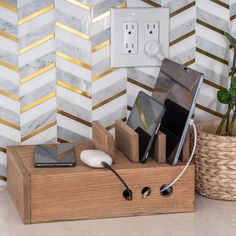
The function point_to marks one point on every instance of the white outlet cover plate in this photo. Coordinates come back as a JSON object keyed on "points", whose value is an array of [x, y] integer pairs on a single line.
{"points": [[141, 16]]}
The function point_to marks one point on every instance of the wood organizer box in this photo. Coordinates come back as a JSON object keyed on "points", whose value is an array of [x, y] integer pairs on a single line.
{"points": [[54, 194]]}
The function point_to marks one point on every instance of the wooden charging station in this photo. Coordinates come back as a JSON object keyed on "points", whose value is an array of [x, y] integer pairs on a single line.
{"points": [[54, 194]]}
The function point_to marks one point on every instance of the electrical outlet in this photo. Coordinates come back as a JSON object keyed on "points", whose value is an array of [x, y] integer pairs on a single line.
{"points": [[151, 29], [136, 33], [130, 37]]}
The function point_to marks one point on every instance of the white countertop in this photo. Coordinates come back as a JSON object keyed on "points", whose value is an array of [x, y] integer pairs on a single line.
{"points": [[211, 218]]}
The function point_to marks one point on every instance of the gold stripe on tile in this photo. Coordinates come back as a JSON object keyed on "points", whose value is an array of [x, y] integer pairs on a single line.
{"points": [[36, 14], [208, 110], [75, 118], [132, 81], [8, 6], [59, 140], [4, 150], [183, 37], [73, 60], [38, 72], [3, 178], [80, 4], [73, 89], [38, 102], [73, 31], [223, 61], [9, 124], [233, 17], [223, 4], [183, 9], [97, 77], [214, 85], [8, 36], [9, 95], [9, 66], [100, 104], [107, 13], [154, 4], [190, 62], [38, 131], [36, 44], [161, 90], [100, 46], [211, 27]]}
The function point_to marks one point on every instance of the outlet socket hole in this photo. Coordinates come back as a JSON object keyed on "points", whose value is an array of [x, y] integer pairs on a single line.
{"points": [[167, 192]]}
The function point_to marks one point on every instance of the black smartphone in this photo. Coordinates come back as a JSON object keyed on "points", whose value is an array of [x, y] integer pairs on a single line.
{"points": [[54, 155], [145, 119]]}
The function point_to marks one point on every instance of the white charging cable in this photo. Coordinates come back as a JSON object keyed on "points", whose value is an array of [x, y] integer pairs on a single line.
{"points": [[189, 160]]}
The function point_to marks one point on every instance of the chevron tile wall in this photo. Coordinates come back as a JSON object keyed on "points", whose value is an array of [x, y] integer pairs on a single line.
{"points": [[55, 75]]}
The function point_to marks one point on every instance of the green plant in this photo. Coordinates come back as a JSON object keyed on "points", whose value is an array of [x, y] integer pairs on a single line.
{"points": [[228, 96]]}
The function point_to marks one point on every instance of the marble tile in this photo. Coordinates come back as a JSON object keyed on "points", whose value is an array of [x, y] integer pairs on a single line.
{"points": [[74, 109], [109, 92], [175, 5], [33, 7], [101, 37], [8, 27], [101, 67], [74, 81], [37, 94], [36, 35], [38, 122], [73, 22], [8, 57], [9, 115], [70, 136], [185, 56], [9, 87]]}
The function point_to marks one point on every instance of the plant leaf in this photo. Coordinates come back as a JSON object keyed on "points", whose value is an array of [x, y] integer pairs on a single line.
{"points": [[232, 92], [233, 82], [231, 39], [224, 96]]}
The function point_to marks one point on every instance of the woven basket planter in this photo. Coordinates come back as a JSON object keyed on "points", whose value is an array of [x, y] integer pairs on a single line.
{"points": [[215, 160]]}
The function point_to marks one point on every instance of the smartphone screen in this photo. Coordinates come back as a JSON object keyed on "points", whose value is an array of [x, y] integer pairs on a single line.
{"points": [[177, 88], [54, 155], [145, 119]]}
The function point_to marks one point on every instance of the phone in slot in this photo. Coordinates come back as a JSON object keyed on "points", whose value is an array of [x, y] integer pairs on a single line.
{"points": [[177, 88], [145, 119]]}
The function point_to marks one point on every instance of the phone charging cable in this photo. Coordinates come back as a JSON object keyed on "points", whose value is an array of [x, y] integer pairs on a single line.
{"points": [[167, 187]]}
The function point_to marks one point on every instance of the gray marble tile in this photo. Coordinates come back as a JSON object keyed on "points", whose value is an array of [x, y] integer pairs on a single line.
{"points": [[74, 52], [101, 37], [212, 48], [232, 9], [36, 35], [37, 94], [73, 22], [70, 136], [37, 123], [101, 67], [212, 20], [74, 109], [9, 87], [74, 81], [182, 29], [141, 77], [185, 56], [111, 118], [37, 64], [177, 4], [10, 116], [105, 6], [33, 7], [8, 57], [8, 27], [109, 91], [11, 2]]}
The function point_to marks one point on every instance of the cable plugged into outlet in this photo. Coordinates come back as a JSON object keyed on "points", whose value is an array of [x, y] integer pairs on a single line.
{"points": [[130, 37]]}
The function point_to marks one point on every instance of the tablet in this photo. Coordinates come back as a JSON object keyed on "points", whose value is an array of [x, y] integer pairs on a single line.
{"points": [[177, 88], [145, 119]]}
